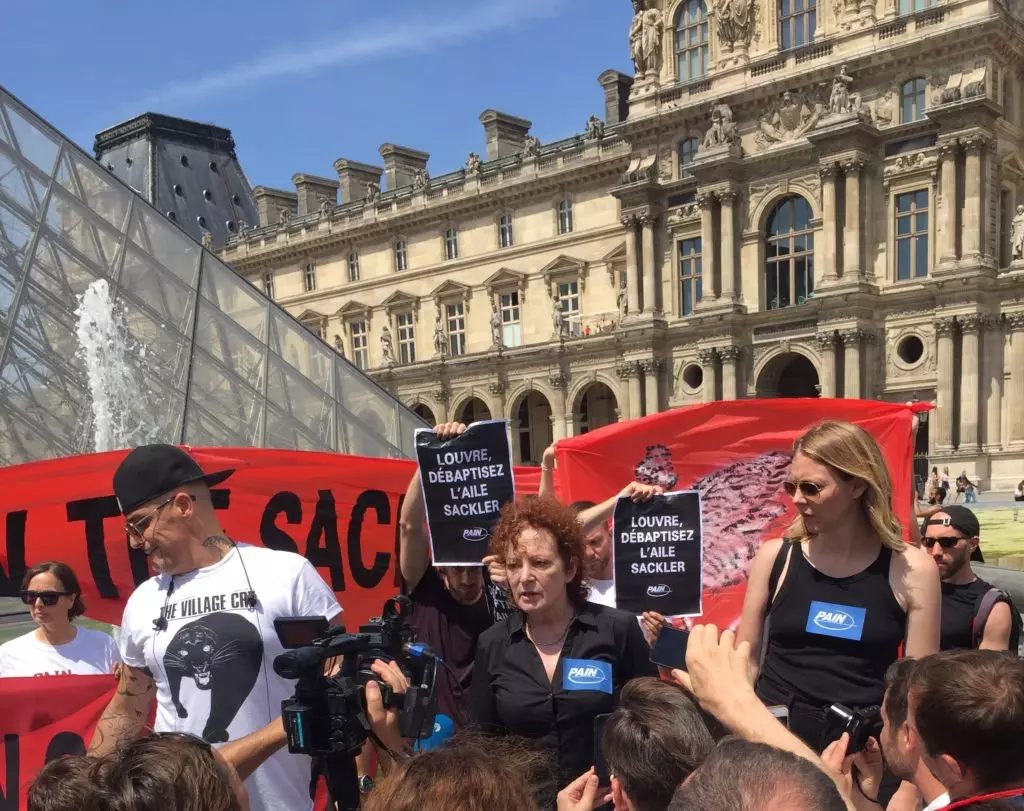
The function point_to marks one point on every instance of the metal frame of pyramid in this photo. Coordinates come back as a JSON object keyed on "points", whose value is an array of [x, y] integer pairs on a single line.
{"points": [[224, 365]]}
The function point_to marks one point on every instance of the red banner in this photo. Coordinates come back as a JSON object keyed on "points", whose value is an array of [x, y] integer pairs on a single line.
{"points": [[737, 455]]}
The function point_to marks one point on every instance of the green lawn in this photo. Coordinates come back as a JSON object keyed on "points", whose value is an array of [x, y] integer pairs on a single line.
{"points": [[1001, 536]]}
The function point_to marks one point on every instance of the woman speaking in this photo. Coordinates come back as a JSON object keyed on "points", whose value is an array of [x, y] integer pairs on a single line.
{"points": [[832, 602], [559, 661]]}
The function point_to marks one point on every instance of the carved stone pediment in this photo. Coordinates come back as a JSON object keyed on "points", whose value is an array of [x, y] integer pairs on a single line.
{"points": [[354, 311], [909, 164], [400, 300], [790, 118]]}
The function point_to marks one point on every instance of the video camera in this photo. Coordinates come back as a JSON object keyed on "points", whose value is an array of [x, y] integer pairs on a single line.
{"points": [[862, 724], [327, 714]]}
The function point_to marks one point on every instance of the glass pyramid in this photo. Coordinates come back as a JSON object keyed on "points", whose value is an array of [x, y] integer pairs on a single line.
{"points": [[116, 328]]}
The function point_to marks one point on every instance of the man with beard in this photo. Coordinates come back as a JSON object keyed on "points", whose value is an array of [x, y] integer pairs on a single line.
{"points": [[974, 613]]}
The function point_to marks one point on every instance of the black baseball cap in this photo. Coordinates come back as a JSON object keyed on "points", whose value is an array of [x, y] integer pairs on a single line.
{"points": [[957, 516], [152, 470]]}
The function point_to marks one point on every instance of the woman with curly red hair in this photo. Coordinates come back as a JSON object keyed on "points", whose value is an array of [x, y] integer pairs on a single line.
{"points": [[558, 661]]}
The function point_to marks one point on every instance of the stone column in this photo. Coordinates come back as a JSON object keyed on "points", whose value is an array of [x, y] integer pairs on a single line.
{"points": [[559, 424], [852, 265], [828, 223], [650, 264], [727, 199], [975, 147], [946, 226], [827, 347], [628, 371], [1015, 400], [970, 328], [942, 417], [707, 246], [992, 386], [730, 356], [652, 373], [632, 266], [869, 368], [442, 397], [707, 359], [851, 361]]}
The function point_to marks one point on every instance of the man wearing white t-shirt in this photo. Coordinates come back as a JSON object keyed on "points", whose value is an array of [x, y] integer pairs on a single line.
{"points": [[199, 636]]}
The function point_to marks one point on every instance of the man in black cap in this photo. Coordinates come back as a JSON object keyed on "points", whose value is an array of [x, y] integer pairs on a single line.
{"points": [[974, 613], [199, 636]]}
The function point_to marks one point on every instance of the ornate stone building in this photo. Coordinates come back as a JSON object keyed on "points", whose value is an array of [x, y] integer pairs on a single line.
{"points": [[787, 199]]}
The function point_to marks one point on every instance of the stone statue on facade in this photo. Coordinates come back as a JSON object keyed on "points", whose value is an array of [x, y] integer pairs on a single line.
{"points": [[1017, 234], [623, 302], [207, 240], [558, 320], [531, 147], [734, 22], [440, 338], [387, 347], [284, 217], [421, 179], [372, 192], [839, 100], [339, 344], [636, 38], [496, 337], [595, 129], [474, 165], [240, 228], [325, 207], [722, 130], [789, 121], [654, 27]]}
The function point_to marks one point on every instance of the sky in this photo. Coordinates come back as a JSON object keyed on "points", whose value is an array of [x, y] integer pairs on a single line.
{"points": [[301, 84]]}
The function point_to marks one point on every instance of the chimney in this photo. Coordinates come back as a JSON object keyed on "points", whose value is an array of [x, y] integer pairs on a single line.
{"points": [[616, 95], [271, 202], [401, 164], [504, 134], [353, 177], [311, 189]]}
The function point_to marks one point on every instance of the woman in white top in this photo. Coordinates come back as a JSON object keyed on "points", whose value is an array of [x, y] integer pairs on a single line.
{"points": [[56, 647]]}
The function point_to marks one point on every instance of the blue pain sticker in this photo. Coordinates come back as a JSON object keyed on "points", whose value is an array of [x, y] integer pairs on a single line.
{"points": [[587, 674], [832, 619]]}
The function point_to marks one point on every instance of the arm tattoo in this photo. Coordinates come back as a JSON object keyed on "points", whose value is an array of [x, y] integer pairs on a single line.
{"points": [[217, 543], [136, 682]]}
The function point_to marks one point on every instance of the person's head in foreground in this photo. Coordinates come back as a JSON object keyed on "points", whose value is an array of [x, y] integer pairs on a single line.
{"points": [[67, 784], [540, 543], [597, 550], [967, 707], [53, 596], [838, 476], [899, 741], [652, 742], [742, 776]]}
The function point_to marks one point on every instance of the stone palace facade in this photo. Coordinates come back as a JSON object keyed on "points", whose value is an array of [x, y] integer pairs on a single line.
{"points": [[787, 199]]}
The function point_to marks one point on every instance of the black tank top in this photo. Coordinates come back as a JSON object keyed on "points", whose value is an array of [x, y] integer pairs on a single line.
{"points": [[958, 606], [831, 639]]}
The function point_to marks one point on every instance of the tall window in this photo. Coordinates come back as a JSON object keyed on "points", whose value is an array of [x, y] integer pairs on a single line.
{"points": [[569, 299], [691, 275], [911, 6], [505, 231], [455, 321], [309, 277], [912, 235], [406, 337], [357, 339], [692, 40], [268, 284], [789, 254], [687, 152], [451, 243], [401, 256], [511, 327], [353, 267], [565, 216], [797, 19], [912, 100]]}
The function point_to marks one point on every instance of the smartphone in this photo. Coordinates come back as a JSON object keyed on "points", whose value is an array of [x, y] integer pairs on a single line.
{"points": [[781, 712], [670, 648], [600, 766]]}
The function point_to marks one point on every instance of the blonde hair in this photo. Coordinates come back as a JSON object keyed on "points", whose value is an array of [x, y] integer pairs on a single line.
{"points": [[852, 453]]}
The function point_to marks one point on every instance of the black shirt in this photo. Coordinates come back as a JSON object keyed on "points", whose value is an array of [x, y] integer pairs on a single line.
{"points": [[511, 693], [959, 604]]}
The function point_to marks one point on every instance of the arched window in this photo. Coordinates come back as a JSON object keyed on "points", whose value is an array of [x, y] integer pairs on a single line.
{"points": [[687, 152], [692, 41], [789, 254], [912, 100]]}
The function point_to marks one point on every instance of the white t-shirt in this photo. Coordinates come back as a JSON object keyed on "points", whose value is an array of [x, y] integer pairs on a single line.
{"points": [[90, 653], [939, 802], [213, 665], [602, 592]]}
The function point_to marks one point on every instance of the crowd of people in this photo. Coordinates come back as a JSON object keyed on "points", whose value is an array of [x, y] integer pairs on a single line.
{"points": [[865, 672]]}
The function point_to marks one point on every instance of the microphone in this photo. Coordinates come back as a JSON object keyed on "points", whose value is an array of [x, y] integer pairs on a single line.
{"points": [[160, 624], [251, 601]]}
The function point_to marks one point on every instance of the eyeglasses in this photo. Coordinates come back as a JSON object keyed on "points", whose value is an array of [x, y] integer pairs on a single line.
{"points": [[186, 736], [135, 529], [807, 489], [47, 597], [945, 543]]}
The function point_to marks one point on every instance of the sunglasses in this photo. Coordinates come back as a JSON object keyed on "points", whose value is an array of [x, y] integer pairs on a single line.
{"points": [[48, 597], [945, 543], [807, 489], [186, 736], [135, 529]]}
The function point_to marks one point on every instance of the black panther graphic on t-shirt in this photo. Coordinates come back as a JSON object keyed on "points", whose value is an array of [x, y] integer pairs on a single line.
{"points": [[222, 653]]}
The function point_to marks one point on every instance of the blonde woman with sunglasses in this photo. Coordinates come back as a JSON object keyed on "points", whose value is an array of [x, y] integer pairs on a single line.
{"points": [[57, 647], [831, 605]]}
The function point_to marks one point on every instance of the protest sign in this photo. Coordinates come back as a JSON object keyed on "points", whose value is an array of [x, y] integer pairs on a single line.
{"points": [[659, 554], [465, 480]]}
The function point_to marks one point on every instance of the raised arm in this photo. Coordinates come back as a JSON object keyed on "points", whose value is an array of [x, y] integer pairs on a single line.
{"points": [[127, 712], [599, 514], [547, 473]]}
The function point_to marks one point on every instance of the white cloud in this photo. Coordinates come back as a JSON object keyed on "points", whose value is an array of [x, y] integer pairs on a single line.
{"points": [[382, 38]]}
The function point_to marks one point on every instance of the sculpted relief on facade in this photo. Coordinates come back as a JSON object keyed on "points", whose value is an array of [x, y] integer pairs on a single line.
{"points": [[788, 120], [645, 34]]}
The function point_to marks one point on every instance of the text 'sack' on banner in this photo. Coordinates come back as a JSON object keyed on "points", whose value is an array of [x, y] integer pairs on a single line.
{"points": [[340, 512], [658, 554], [736, 455], [466, 480]]}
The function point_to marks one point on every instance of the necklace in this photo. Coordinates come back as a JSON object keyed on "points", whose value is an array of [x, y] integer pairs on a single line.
{"points": [[554, 641]]}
